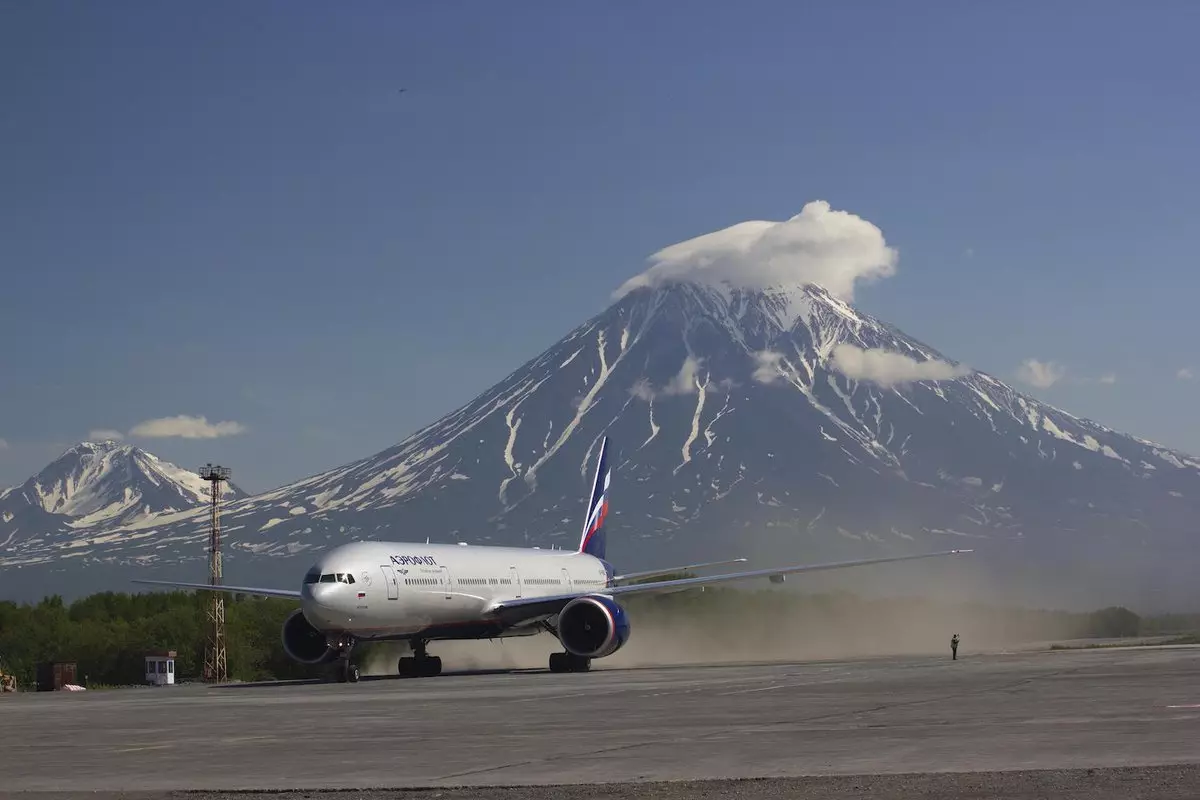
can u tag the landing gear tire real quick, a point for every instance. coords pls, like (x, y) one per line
(426, 667)
(347, 672)
(569, 662)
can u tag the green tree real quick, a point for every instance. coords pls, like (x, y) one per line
(1113, 622)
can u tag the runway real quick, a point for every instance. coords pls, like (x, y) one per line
(1027, 711)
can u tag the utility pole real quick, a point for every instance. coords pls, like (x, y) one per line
(215, 666)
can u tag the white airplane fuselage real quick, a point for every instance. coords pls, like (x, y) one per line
(401, 589)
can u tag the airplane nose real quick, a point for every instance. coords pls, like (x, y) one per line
(323, 592)
(321, 603)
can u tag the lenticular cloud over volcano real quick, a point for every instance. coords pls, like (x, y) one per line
(835, 249)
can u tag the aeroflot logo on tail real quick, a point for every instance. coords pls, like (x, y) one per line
(414, 560)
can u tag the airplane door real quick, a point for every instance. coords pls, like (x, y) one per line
(567, 579)
(516, 581)
(389, 578)
(446, 582)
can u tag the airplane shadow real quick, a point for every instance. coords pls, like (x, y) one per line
(519, 671)
(277, 684)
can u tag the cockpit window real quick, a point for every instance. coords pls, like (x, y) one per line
(328, 577)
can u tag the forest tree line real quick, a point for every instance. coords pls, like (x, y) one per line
(108, 634)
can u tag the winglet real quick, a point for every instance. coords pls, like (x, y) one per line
(593, 540)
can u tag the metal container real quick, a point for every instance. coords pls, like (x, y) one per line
(53, 675)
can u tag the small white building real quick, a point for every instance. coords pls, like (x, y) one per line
(160, 668)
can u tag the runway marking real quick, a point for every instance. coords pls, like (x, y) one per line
(782, 686)
(542, 698)
(765, 688)
(1193, 705)
(670, 693)
(710, 686)
(145, 747)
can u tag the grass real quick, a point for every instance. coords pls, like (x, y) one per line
(1187, 638)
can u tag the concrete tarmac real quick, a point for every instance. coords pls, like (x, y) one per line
(1058, 711)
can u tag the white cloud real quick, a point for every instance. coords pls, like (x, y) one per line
(185, 427)
(1042, 374)
(1109, 378)
(3, 444)
(103, 434)
(1186, 374)
(684, 382)
(642, 390)
(768, 369)
(888, 368)
(835, 249)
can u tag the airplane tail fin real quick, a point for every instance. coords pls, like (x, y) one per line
(593, 541)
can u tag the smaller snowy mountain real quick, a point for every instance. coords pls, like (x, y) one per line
(99, 484)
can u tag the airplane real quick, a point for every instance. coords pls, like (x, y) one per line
(379, 591)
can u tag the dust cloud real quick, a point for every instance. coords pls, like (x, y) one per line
(731, 626)
(845, 629)
(527, 652)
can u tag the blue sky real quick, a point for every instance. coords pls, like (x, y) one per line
(231, 211)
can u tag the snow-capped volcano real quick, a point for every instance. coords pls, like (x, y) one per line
(784, 406)
(750, 412)
(779, 423)
(97, 484)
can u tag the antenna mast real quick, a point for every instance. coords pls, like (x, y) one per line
(216, 667)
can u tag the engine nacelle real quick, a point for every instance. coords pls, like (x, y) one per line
(304, 643)
(593, 626)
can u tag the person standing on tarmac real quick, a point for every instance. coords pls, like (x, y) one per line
(954, 647)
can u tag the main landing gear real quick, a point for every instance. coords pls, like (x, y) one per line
(347, 671)
(419, 664)
(569, 662)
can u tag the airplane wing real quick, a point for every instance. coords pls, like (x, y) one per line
(654, 573)
(515, 611)
(232, 589)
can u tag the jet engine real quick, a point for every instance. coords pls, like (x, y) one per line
(304, 643)
(593, 626)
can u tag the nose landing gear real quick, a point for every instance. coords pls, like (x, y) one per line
(344, 670)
